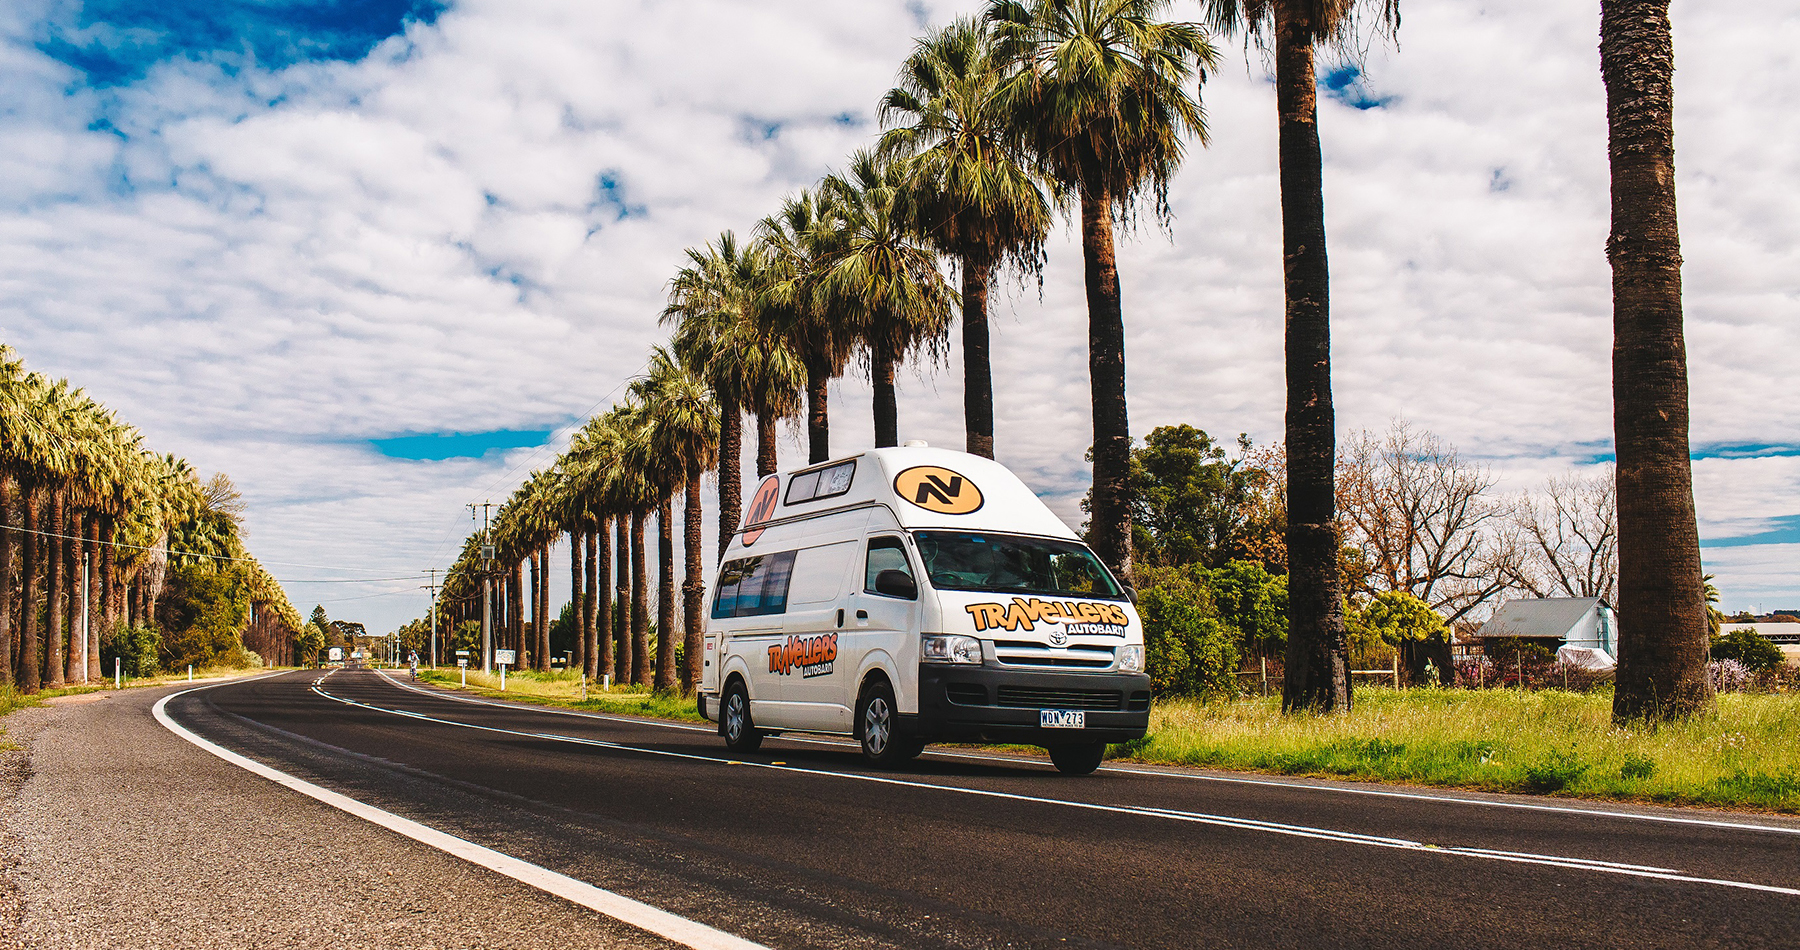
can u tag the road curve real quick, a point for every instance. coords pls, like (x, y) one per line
(800, 845)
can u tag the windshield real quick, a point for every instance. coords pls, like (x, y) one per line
(958, 560)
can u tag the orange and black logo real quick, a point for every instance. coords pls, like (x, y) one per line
(762, 508)
(1075, 616)
(938, 489)
(815, 656)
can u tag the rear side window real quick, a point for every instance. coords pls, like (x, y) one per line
(754, 586)
(821, 483)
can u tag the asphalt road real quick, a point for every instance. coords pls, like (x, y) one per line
(800, 845)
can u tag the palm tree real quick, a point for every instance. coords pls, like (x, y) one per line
(719, 338)
(678, 413)
(790, 305)
(975, 195)
(1099, 97)
(1662, 604)
(1317, 676)
(883, 280)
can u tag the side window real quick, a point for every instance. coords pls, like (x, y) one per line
(885, 554)
(754, 586)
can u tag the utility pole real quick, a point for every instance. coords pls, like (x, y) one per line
(433, 586)
(85, 558)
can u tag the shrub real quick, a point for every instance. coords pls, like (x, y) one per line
(1189, 652)
(1728, 676)
(136, 649)
(1748, 647)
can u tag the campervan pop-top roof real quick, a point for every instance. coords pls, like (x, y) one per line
(924, 487)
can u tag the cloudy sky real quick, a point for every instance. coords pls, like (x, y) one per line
(373, 258)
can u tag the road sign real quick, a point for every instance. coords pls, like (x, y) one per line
(462, 653)
(463, 663)
(336, 654)
(506, 657)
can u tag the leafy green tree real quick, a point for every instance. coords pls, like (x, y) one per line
(201, 614)
(1189, 652)
(1252, 602)
(1402, 620)
(1188, 500)
(1749, 648)
(309, 643)
(1100, 97)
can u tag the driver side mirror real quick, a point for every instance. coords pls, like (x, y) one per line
(897, 584)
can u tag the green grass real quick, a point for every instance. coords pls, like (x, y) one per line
(563, 688)
(1743, 755)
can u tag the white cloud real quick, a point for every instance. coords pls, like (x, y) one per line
(261, 269)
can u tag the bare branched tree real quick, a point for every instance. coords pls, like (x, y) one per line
(1425, 521)
(1570, 532)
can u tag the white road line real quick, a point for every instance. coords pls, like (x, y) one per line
(1227, 821)
(1171, 773)
(660, 922)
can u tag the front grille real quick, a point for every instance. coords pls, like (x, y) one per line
(966, 694)
(1021, 697)
(1074, 656)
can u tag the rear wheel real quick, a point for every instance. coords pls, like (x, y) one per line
(1080, 758)
(877, 728)
(734, 720)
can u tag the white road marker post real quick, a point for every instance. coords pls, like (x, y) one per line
(190, 672)
(118, 674)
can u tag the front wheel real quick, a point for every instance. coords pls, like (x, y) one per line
(1080, 758)
(877, 728)
(734, 720)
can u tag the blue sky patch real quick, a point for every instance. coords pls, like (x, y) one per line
(1785, 531)
(1743, 450)
(438, 446)
(116, 42)
(1345, 84)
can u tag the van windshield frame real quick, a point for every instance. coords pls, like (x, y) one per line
(997, 563)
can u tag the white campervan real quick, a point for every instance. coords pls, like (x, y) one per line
(913, 595)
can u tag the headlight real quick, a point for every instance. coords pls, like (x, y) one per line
(1131, 658)
(952, 650)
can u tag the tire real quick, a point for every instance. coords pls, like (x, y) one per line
(878, 728)
(735, 724)
(1080, 758)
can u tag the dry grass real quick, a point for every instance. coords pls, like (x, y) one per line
(563, 688)
(1742, 755)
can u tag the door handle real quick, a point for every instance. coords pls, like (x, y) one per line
(840, 616)
(862, 615)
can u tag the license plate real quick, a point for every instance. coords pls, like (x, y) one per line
(1062, 718)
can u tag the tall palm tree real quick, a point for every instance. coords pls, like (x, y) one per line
(1662, 603)
(719, 338)
(883, 279)
(678, 412)
(1317, 675)
(791, 306)
(1100, 97)
(975, 194)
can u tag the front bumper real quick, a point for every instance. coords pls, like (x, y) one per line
(996, 704)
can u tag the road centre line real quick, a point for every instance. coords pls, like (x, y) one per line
(643, 916)
(1226, 821)
(1170, 773)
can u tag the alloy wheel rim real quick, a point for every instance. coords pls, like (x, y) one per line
(734, 716)
(875, 725)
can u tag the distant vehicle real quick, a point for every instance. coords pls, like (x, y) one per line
(913, 595)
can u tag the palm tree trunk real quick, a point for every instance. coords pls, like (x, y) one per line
(978, 371)
(600, 624)
(515, 609)
(693, 583)
(818, 421)
(7, 582)
(1110, 533)
(766, 463)
(1662, 604)
(665, 594)
(30, 678)
(622, 655)
(578, 609)
(540, 612)
(640, 603)
(887, 406)
(56, 582)
(731, 470)
(96, 600)
(76, 659)
(1317, 674)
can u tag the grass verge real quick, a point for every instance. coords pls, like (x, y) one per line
(1551, 742)
(563, 688)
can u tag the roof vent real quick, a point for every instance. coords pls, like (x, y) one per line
(915, 444)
